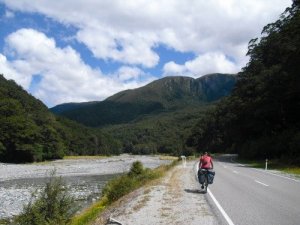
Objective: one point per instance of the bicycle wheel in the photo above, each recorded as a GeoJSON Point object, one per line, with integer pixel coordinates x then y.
{"type": "Point", "coordinates": [205, 183]}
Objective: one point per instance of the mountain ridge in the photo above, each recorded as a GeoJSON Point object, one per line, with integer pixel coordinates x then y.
{"type": "Point", "coordinates": [168, 93]}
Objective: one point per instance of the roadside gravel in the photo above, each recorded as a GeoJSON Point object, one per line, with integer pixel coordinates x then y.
{"type": "Point", "coordinates": [175, 199]}
{"type": "Point", "coordinates": [85, 177]}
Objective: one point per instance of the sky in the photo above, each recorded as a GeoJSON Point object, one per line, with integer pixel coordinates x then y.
{"type": "Point", "coordinates": [87, 50]}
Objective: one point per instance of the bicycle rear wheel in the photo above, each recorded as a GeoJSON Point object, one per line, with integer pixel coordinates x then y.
{"type": "Point", "coordinates": [205, 183]}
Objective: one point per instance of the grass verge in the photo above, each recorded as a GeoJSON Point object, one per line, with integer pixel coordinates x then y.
{"type": "Point", "coordinates": [272, 165]}
{"type": "Point", "coordinates": [4, 221]}
{"type": "Point", "coordinates": [119, 187]}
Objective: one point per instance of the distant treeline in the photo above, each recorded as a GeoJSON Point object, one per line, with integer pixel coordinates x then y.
{"type": "Point", "coordinates": [164, 133]}
{"type": "Point", "coordinates": [261, 118]}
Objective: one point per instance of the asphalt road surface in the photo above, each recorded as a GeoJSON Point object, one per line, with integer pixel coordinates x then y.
{"type": "Point", "coordinates": [248, 196]}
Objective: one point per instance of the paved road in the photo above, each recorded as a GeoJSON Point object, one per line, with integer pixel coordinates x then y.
{"type": "Point", "coordinates": [254, 197]}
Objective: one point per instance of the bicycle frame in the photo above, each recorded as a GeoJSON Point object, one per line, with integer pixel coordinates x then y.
{"type": "Point", "coordinates": [205, 184]}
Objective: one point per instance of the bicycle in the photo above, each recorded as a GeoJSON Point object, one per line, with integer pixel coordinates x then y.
{"type": "Point", "coordinates": [203, 178]}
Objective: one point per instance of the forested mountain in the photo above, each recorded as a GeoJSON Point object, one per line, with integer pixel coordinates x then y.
{"type": "Point", "coordinates": [156, 118]}
{"type": "Point", "coordinates": [30, 132]}
{"type": "Point", "coordinates": [261, 118]}
{"type": "Point", "coordinates": [166, 94]}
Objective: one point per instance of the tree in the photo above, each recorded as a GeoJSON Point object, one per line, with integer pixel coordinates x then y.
{"type": "Point", "coordinates": [264, 107]}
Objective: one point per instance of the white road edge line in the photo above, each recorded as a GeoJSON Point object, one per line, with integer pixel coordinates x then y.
{"type": "Point", "coordinates": [274, 174]}
{"type": "Point", "coordinates": [261, 183]}
{"type": "Point", "coordinates": [268, 172]}
{"type": "Point", "coordinates": [227, 218]}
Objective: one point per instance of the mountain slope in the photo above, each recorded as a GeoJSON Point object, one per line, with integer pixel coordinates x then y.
{"type": "Point", "coordinates": [166, 94]}
{"type": "Point", "coordinates": [30, 132]}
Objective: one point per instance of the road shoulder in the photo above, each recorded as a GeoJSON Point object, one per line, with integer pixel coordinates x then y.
{"type": "Point", "coordinates": [174, 199]}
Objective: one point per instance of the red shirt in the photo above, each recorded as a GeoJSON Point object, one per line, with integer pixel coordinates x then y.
{"type": "Point", "coordinates": [206, 162]}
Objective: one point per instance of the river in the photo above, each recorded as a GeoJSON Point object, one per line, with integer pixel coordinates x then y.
{"type": "Point", "coordinates": [84, 177]}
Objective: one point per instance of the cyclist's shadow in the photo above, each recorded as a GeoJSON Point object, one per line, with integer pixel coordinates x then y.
{"type": "Point", "coordinates": [195, 191]}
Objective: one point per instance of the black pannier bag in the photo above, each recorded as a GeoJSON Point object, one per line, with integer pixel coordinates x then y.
{"type": "Point", "coordinates": [201, 177]}
{"type": "Point", "coordinates": [210, 176]}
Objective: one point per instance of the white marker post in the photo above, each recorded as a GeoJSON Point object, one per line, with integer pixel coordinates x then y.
{"type": "Point", "coordinates": [266, 168]}
{"type": "Point", "coordinates": [183, 161]}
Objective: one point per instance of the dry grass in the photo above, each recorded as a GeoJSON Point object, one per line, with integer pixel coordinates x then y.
{"type": "Point", "coordinates": [141, 203]}
{"type": "Point", "coordinates": [168, 157]}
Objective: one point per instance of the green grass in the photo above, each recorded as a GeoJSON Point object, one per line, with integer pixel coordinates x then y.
{"type": "Point", "coordinates": [4, 222]}
{"type": "Point", "coordinates": [90, 214]}
{"type": "Point", "coordinates": [292, 170]}
{"type": "Point", "coordinates": [120, 186]}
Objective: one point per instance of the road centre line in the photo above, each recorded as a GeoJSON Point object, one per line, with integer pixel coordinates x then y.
{"type": "Point", "coordinates": [227, 218]}
{"type": "Point", "coordinates": [261, 183]}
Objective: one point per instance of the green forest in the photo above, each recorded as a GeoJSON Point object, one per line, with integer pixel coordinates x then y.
{"type": "Point", "coordinates": [261, 118]}
{"type": "Point", "coordinates": [30, 132]}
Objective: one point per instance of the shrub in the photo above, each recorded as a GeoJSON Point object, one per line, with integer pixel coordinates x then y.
{"type": "Point", "coordinates": [119, 187]}
{"type": "Point", "coordinates": [136, 169]}
{"type": "Point", "coordinates": [53, 206]}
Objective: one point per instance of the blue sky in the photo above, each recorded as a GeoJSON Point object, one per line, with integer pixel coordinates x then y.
{"type": "Point", "coordinates": [86, 50]}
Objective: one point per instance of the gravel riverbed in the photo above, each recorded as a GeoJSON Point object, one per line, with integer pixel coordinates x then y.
{"type": "Point", "coordinates": [85, 177]}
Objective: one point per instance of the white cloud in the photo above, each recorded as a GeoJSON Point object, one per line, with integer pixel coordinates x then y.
{"type": "Point", "coordinates": [203, 64]}
{"type": "Point", "coordinates": [127, 31]}
{"type": "Point", "coordinates": [126, 73]}
{"type": "Point", "coordinates": [10, 73]}
{"type": "Point", "coordinates": [120, 46]}
{"type": "Point", "coordinates": [64, 76]}
{"type": "Point", "coordinates": [172, 68]}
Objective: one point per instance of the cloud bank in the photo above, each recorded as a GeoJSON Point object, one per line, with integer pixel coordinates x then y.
{"type": "Point", "coordinates": [129, 32]}
{"type": "Point", "coordinates": [64, 76]}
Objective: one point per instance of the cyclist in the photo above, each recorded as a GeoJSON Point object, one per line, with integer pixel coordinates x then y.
{"type": "Point", "coordinates": [205, 163]}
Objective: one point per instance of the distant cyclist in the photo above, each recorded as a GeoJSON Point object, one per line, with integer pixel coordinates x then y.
{"type": "Point", "coordinates": [206, 163]}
